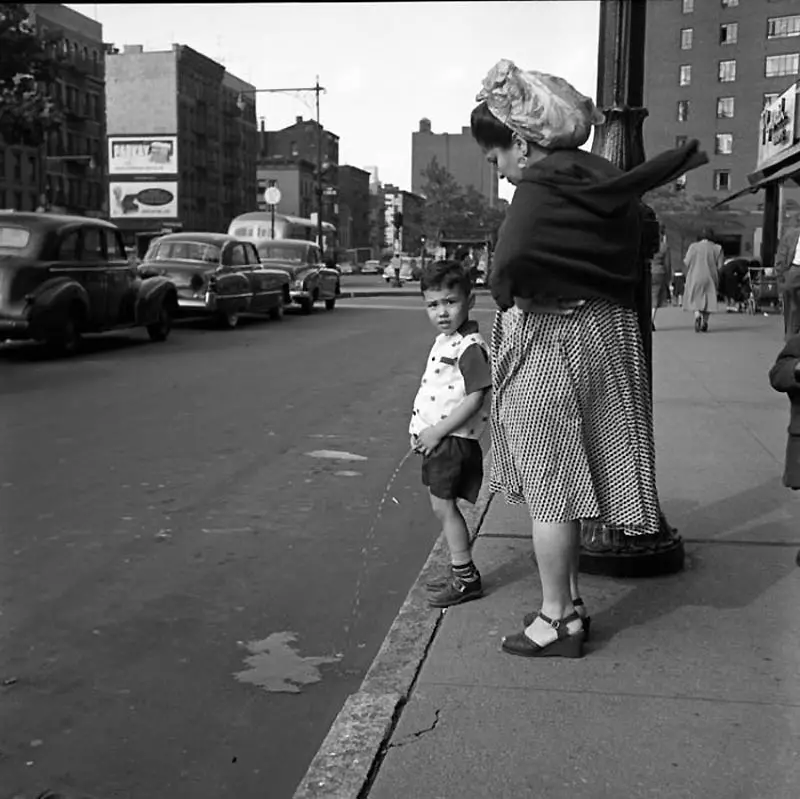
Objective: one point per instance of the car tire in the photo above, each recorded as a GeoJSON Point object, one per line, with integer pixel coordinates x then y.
{"type": "Point", "coordinates": [307, 306]}
{"type": "Point", "coordinates": [228, 321]}
{"type": "Point", "coordinates": [160, 330]}
{"type": "Point", "coordinates": [277, 312]}
{"type": "Point", "coordinates": [67, 341]}
{"type": "Point", "coordinates": [330, 304]}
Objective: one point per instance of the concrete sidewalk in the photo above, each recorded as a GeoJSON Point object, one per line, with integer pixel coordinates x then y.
{"type": "Point", "coordinates": [691, 684]}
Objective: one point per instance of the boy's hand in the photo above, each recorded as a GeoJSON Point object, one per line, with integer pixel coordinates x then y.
{"type": "Point", "coordinates": [413, 442]}
{"type": "Point", "coordinates": [428, 440]}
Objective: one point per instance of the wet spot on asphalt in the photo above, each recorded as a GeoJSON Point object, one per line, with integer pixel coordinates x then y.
{"type": "Point", "coordinates": [275, 666]}
{"type": "Point", "coordinates": [336, 455]}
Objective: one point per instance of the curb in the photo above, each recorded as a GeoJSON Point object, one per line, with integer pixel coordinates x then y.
{"type": "Point", "coordinates": [356, 293]}
{"type": "Point", "coordinates": [351, 754]}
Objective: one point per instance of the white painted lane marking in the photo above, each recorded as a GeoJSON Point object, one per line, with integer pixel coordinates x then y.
{"type": "Point", "coordinates": [336, 455]}
{"type": "Point", "coordinates": [347, 474]}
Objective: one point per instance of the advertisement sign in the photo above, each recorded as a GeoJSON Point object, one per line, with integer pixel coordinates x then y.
{"type": "Point", "coordinates": [777, 128]}
{"type": "Point", "coordinates": [143, 200]}
{"type": "Point", "coordinates": [142, 155]}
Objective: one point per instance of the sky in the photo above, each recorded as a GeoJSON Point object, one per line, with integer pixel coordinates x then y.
{"type": "Point", "coordinates": [385, 66]}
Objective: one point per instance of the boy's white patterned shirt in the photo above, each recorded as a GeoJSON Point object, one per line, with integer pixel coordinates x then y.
{"type": "Point", "coordinates": [444, 384]}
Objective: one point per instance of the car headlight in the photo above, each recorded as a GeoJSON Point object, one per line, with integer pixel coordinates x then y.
{"type": "Point", "coordinates": [298, 285]}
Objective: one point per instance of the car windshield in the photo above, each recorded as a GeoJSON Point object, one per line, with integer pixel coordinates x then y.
{"type": "Point", "coordinates": [185, 251]}
{"type": "Point", "coordinates": [282, 253]}
{"type": "Point", "coordinates": [14, 238]}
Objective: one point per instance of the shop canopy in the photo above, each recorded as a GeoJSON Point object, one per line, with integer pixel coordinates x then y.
{"type": "Point", "coordinates": [792, 171]}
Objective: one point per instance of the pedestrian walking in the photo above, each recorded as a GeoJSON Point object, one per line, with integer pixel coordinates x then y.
{"type": "Point", "coordinates": [703, 261]}
{"type": "Point", "coordinates": [451, 411]}
{"type": "Point", "coordinates": [571, 422]}
{"type": "Point", "coordinates": [660, 275]}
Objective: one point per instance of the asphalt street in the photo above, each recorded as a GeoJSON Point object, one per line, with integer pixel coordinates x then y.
{"type": "Point", "coordinates": [190, 583]}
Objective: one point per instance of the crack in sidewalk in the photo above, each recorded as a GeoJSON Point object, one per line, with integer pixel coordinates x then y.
{"type": "Point", "coordinates": [415, 736]}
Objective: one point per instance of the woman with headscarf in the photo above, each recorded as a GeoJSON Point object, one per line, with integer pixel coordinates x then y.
{"type": "Point", "coordinates": [703, 262]}
{"type": "Point", "coordinates": [572, 428]}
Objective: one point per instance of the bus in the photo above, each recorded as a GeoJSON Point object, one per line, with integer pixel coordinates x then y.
{"type": "Point", "coordinates": [256, 226]}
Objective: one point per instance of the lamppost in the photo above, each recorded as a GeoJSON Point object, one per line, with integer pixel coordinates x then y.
{"type": "Point", "coordinates": [317, 89]}
{"type": "Point", "coordinates": [620, 84]}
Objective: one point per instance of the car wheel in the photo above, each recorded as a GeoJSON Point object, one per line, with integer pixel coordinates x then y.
{"type": "Point", "coordinates": [160, 330]}
{"type": "Point", "coordinates": [276, 313]}
{"type": "Point", "coordinates": [229, 320]}
{"type": "Point", "coordinates": [67, 341]}
{"type": "Point", "coordinates": [330, 304]}
{"type": "Point", "coordinates": [307, 306]}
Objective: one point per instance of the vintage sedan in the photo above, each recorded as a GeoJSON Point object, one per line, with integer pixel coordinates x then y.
{"type": "Point", "coordinates": [218, 274]}
{"type": "Point", "coordinates": [311, 280]}
{"type": "Point", "coordinates": [63, 276]}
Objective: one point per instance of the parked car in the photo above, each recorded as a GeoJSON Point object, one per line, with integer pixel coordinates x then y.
{"type": "Point", "coordinates": [218, 274]}
{"type": "Point", "coordinates": [63, 276]}
{"type": "Point", "coordinates": [311, 280]}
{"type": "Point", "coordinates": [371, 267]}
{"type": "Point", "coordinates": [410, 270]}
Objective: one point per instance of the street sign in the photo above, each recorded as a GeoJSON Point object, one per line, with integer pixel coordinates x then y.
{"type": "Point", "coordinates": [272, 196]}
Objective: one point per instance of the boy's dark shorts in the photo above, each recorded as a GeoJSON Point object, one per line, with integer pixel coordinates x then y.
{"type": "Point", "coordinates": [454, 469]}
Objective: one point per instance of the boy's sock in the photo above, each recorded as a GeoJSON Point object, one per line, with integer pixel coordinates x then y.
{"type": "Point", "coordinates": [466, 572]}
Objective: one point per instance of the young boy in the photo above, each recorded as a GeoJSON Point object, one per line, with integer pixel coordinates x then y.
{"type": "Point", "coordinates": [450, 413]}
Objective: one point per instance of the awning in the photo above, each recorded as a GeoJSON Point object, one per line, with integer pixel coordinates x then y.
{"type": "Point", "coordinates": [790, 171]}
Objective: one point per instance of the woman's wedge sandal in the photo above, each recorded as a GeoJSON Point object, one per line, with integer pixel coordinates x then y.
{"type": "Point", "coordinates": [529, 618]}
{"type": "Point", "coordinates": [566, 644]}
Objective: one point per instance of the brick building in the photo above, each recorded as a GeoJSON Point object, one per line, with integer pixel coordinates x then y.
{"type": "Point", "coordinates": [354, 208]}
{"type": "Point", "coordinates": [295, 177]}
{"type": "Point", "coordinates": [459, 153]}
{"type": "Point", "coordinates": [712, 67]}
{"type": "Point", "coordinates": [67, 174]}
{"type": "Point", "coordinates": [182, 141]}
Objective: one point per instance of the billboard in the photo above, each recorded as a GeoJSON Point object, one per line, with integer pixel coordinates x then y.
{"type": "Point", "coordinates": [143, 199]}
{"type": "Point", "coordinates": [777, 126]}
{"type": "Point", "coordinates": [142, 155]}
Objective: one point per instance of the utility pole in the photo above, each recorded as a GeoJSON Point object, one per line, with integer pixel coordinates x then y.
{"type": "Point", "coordinates": [620, 90]}
{"type": "Point", "coordinates": [320, 242]}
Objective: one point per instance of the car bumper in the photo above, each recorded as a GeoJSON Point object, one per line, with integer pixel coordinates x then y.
{"type": "Point", "coordinates": [300, 296]}
{"type": "Point", "coordinates": [15, 329]}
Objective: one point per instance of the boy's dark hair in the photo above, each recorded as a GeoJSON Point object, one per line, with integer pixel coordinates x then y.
{"type": "Point", "coordinates": [488, 131]}
{"type": "Point", "coordinates": [443, 275]}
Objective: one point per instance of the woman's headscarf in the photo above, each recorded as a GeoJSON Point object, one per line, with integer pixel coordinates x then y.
{"type": "Point", "coordinates": [541, 108]}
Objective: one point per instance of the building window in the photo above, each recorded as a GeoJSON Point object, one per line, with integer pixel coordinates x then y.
{"type": "Point", "coordinates": [785, 64]}
{"type": "Point", "coordinates": [722, 180]}
{"type": "Point", "coordinates": [729, 33]}
{"type": "Point", "coordinates": [680, 141]}
{"type": "Point", "coordinates": [730, 3]}
{"type": "Point", "coordinates": [727, 71]}
{"type": "Point", "coordinates": [723, 144]}
{"type": "Point", "coordinates": [680, 183]}
{"type": "Point", "coordinates": [783, 27]}
{"type": "Point", "coordinates": [685, 75]}
{"type": "Point", "coordinates": [687, 6]}
{"type": "Point", "coordinates": [725, 107]}
{"type": "Point", "coordinates": [683, 110]}
{"type": "Point", "coordinates": [770, 98]}
{"type": "Point", "coordinates": [17, 169]}
{"type": "Point", "coordinates": [687, 34]}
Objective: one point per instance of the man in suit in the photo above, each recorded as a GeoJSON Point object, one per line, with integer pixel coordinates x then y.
{"type": "Point", "coordinates": [787, 269]}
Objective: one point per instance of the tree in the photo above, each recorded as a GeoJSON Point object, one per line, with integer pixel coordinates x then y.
{"type": "Point", "coordinates": [454, 212]}
{"type": "Point", "coordinates": [27, 64]}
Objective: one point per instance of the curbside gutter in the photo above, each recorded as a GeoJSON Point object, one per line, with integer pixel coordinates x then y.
{"type": "Point", "coordinates": [351, 754]}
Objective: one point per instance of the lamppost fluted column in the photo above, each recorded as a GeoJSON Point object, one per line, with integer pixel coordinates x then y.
{"type": "Point", "coordinates": [620, 94]}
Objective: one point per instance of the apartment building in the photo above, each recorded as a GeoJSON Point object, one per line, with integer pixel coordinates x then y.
{"type": "Point", "coordinates": [712, 67]}
{"type": "Point", "coordinates": [182, 141]}
{"type": "Point", "coordinates": [68, 173]}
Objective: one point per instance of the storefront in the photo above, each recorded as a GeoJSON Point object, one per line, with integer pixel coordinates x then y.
{"type": "Point", "coordinates": [778, 164]}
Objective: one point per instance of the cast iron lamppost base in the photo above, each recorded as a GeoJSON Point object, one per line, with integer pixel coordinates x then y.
{"type": "Point", "coordinates": [608, 550]}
